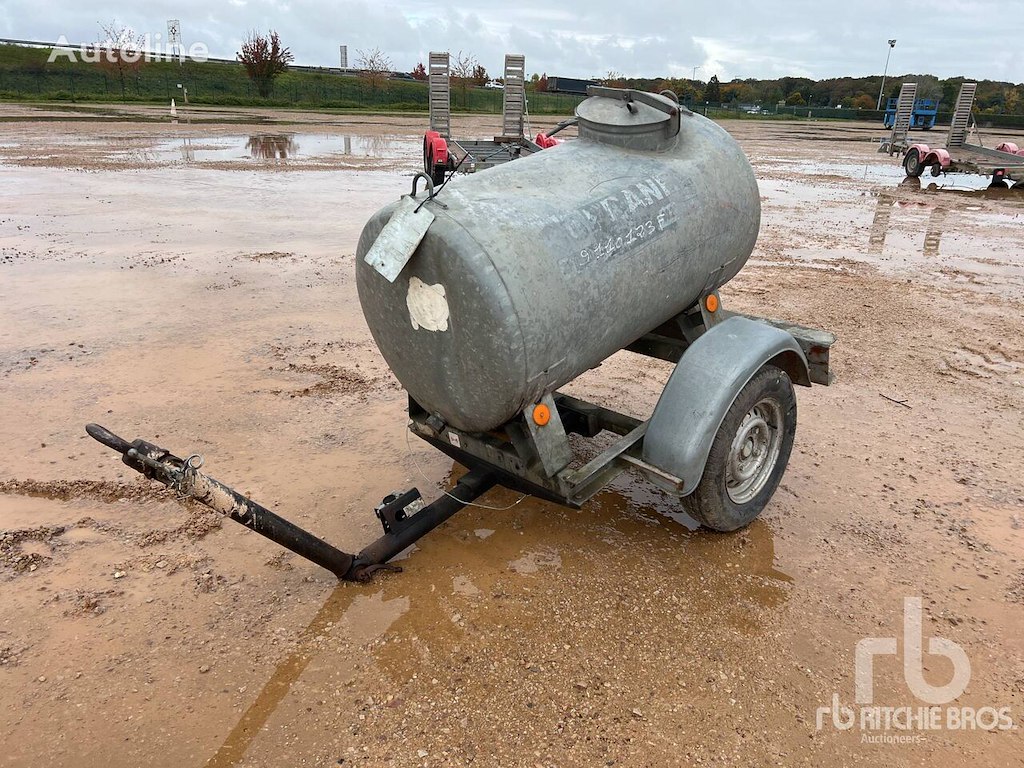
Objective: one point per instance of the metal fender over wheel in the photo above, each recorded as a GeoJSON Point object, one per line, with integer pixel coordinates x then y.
{"type": "Point", "coordinates": [749, 454]}
{"type": "Point", "coordinates": [912, 163]}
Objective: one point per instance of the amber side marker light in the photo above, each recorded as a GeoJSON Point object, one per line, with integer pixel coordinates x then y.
{"type": "Point", "coordinates": [541, 415]}
{"type": "Point", "coordinates": [711, 303]}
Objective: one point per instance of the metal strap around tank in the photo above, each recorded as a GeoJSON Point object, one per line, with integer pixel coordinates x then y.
{"type": "Point", "coordinates": [439, 94]}
{"type": "Point", "coordinates": [961, 115]}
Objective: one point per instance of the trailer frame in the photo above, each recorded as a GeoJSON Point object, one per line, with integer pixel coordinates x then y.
{"type": "Point", "coordinates": [524, 454]}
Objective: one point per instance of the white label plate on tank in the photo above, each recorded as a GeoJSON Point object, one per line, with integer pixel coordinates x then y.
{"type": "Point", "coordinates": [398, 241]}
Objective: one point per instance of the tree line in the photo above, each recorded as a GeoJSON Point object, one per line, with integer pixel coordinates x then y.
{"type": "Point", "coordinates": [993, 97]}
{"type": "Point", "coordinates": [264, 58]}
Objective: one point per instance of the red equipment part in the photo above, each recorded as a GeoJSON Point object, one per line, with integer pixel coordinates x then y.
{"type": "Point", "coordinates": [435, 156]}
{"type": "Point", "coordinates": [546, 142]}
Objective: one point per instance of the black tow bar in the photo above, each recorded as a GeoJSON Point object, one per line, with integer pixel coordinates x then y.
{"type": "Point", "coordinates": [402, 515]}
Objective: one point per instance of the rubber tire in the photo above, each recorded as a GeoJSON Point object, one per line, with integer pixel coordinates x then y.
{"type": "Point", "coordinates": [709, 504]}
{"type": "Point", "coordinates": [912, 164]}
{"type": "Point", "coordinates": [936, 170]}
{"type": "Point", "coordinates": [437, 174]}
{"type": "Point", "coordinates": [998, 184]}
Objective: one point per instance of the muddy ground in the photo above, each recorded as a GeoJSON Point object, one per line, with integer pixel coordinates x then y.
{"type": "Point", "coordinates": [193, 284]}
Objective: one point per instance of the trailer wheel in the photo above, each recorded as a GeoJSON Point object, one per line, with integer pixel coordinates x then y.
{"type": "Point", "coordinates": [936, 170]}
{"type": "Point", "coordinates": [428, 153]}
{"type": "Point", "coordinates": [912, 163]}
{"type": "Point", "coordinates": [998, 183]}
{"type": "Point", "coordinates": [749, 454]}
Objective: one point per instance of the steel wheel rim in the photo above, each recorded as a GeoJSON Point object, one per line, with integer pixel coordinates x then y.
{"type": "Point", "coordinates": [754, 451]}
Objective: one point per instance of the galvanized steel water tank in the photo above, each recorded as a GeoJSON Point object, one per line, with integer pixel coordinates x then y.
{"type": "Point", "coordinates": [539, 269]}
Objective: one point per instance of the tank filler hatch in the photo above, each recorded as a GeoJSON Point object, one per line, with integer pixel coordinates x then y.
{"type": "Point", "coordinates": [628, 118]}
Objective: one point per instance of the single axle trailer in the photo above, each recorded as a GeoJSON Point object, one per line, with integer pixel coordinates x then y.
{"type": "Point", "coordinates": [484, 320]}
{"type": "Point", "coordinates": [1004, 164]}
{"type": "Point", "coordinates": [442, 157]}
{"type": "Point", "coordinates": [729, 409]}
{"type": "Point", "coordinates": [444, 154]}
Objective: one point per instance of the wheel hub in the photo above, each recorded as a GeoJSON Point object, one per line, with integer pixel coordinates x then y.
{"type": "Point", "coordinates": [754, 451]}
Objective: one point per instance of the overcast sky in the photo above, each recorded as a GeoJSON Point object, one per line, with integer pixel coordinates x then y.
{"type": "Point", "coordinates": [583, 38]}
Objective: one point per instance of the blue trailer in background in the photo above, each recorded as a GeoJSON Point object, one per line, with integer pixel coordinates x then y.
{"type": "Point", "coordinates": [923, 116]}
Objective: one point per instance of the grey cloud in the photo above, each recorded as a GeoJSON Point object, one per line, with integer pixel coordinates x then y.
{"type": "Point", "coordinates": [730, 38]}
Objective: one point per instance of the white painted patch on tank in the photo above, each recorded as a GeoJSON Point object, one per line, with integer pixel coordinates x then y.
{"type": "Point", "coordinates": [428, 307]}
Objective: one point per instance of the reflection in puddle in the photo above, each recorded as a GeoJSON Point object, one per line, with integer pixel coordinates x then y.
{"type": "Point", "coordinates": [880, 223]}
{"type": "Point", "coordinates": [636, 497]}
{"type": "Point", "coordinates": [886, 202]}
{"type": "Point", "coordinates": [256, 148]}
{"type": "Point", "coordinates": [911, 195]}
{"type": "Point", "coordinates": [933, 231]}
{"type": "Point", "coordinates": [967, 185]}
{"type": "Point", "coordinates": [271, 147]}
{"type": "Point", "coordinates": [277, 148]}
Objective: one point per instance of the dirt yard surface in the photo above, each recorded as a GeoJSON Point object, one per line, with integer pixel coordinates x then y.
{"type": "Point", "coordinates": [192, 284]}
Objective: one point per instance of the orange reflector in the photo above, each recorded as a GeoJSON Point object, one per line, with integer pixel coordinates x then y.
{"type": "Point", "coordinates": [711, 302]}
{"type": "Point", "coordinates": [541, 414]}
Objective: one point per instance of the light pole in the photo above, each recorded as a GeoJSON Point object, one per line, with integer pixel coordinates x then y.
{"type": "Point", "coordinates": [892, 44]}
{"type": "Point", "coordinates": [695, 72]}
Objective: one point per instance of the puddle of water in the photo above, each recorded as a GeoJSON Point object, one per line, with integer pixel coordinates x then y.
{"type": "Point", "coordinates": [922, 220]}
{"type": "Point", "coordinates": [951, 228]}
{"type": "Point", "coordinates": [282, 147]}
{"type": "Point", "coordinates": [255, 148]}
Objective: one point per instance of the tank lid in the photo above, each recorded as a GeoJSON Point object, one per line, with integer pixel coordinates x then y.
{"type": "Point", "coordinates": [628, 118]}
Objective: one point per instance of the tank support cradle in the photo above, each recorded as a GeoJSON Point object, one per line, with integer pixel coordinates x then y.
{"type": "Point", "coordinates": [402, 515]}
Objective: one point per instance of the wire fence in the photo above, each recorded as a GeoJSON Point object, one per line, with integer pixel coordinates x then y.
{"type": "Point", "coordinates": [217, 83]}
{"type": "Point", "coordinates": [228, 85]}
{"type": "Point", "coordinates": [942, 119]}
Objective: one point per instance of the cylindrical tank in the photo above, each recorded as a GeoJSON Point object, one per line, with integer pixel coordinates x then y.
{"type": "Point", "coordinates": [539, 269]}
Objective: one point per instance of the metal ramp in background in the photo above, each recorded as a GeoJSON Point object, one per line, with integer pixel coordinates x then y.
{"type": "Point", "coordinates": [439, 85]}
{"type": "Point", "coordinates": [897, 140]}
{"type": "Point", "coordinates": [961, 116]}
{"type": "Point", "coordinates": [514, 107]}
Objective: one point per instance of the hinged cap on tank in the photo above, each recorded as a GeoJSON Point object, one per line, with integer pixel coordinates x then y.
{"type": "Point", "coordinates": [628, 118]}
